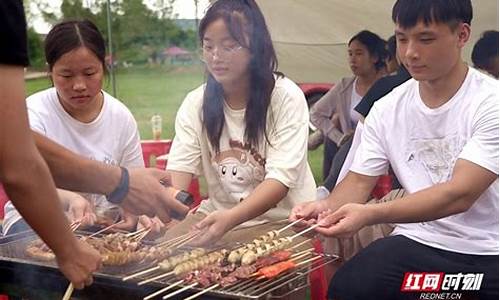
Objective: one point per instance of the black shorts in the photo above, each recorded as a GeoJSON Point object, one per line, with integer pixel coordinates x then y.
{"type": "Point", "coordinates": [378, 271]}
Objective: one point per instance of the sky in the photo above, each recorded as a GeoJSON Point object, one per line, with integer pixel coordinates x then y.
{"type": "Point", "coordinates": [183, 9]}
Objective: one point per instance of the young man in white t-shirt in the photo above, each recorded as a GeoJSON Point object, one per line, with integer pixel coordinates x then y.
{"type": "Point", "coordinates": [439, 132]}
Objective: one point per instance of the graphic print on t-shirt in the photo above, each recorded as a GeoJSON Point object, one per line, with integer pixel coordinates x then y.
{"type": "Point", "coordinates": [240, 170]}
{"type": "Point", "coordinates": [436, 156]}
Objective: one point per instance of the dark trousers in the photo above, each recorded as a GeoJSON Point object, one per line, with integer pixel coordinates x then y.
{"type": "Point", "coordinates": [329, 152]}
{"type": "Point", "coordinates": [377, 272]}
{"type": "Point", "coordinates": [337, 163]}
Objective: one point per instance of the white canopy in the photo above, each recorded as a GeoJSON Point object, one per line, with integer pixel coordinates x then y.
{"type": "Point", "coordinates": [310, 36]}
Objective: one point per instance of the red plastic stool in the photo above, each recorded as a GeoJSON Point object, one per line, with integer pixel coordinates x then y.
{"type": "Point", "coordinates": [158, 149]}
{"type": "Point", "coordinates": [383, 186]}
{"type": "Point", "coordinates": [319, 286]}
{"type": "Point", "coordinates": [3, 200]}
{"type": "Point", "coordinates": [153, 149]}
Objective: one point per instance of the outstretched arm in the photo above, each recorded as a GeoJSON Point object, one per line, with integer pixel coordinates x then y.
{"type": "Point", "coordinates": [455, 196]}
{"type": "Point", "coordinates": [145, 194]}
{"type": "Point", "coordinates": [28, 183]}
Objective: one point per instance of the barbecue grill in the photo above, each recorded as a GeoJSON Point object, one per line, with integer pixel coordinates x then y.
{"type": "Point", "coordinates": [21, 275]}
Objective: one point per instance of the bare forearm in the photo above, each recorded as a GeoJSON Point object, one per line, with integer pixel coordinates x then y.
{"type": "Point", "coordinates": [23, 172]}
{"type": "Point", "coordinates": [73, 172]}
{"type": "Point", "coordinates": [433, 203]}
{"type": "Point", "coordinates": [181, 180]}
{"type": "Point", "coordinates": [265, 196]}
{"type": "Point", "coordinates": [455, 196]}
{"type": "Point", "coordinates": [355, 188]}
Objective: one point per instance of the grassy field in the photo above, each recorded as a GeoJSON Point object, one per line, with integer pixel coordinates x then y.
{"type": "Point", "coordinates": [160, 90]}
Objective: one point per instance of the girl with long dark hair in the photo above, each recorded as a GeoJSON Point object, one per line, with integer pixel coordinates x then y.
{"type": "Point", "coordinates": [245, 130]}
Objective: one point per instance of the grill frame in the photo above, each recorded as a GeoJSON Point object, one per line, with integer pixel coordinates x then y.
{"type": "Point", "coordinates": [21, 274]}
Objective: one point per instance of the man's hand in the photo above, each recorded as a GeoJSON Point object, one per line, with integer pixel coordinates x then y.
{"type": "Point", "coordinates": [79, 263]}
{"type": "Point", "coordinates": [309, 211]}
{"type": "Point", "coordinates": [212, 227]}
{"type": "Point", "coordinates": [149, 197]}
{"type": "Point", "coordinates": [345, 221]}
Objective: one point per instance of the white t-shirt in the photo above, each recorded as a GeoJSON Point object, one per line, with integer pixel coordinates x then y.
{"type": "Point", "coordinates": [111, 138]}
{"type": "Point", "coordinates": [234, 173]}
{"type": "Point", "coordinates": [422, 145]}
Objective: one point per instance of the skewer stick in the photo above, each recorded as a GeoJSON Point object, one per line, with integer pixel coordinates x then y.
{"type": "Point", "coordinates": [142, 235]}
{"type": "Point", "coordinates": [308, 260]}
{"type": "Point", "coordinates": [140, 273]}
{"type": "Point", "coordinates": [163, 290]}
{"type": "Point", "coordinates": [69, 291]}
{"type": "Point", "coordinates": [187, 240]}
{"type": "Point", "coordinates": [299, 244]}
{"type": "Point", "coordinates": [137, 232]}
{"type": "Point", "coordinates": [164, 243]}
{"type": "Point", "coordinates": [180, 290]}
{"type": "Point", "coordinates": [105, 229]}
{"type": "Point", "coordinates": [155, 278]}
{"type": "Point", "coordinates": [193, 209]}
{"type": "Point", "coordinates": [308, 251]}
{"type": "Point", "coordinates": [289, 225]}
{"type": "Point", "coordinates": [304, 231]}
{"type": "Point", "coordinates": [208, 289]}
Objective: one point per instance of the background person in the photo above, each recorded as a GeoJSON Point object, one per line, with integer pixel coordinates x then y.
{"type": "Point", "coordinates": [485, 53]}
{"type": "Point", "coordinates": [334, 113]}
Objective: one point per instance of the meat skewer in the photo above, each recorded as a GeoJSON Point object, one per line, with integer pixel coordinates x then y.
{"type": "Point", "coordinates": [268, 272]}
{"type": "Point", "coordinates": [248, 253]}
{"type": "Point", "coordinates": [170, 262]}
{"type": "Point", "coordinates": [187, 266]}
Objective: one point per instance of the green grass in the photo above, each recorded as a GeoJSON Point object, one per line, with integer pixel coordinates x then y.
{"type": "Point", "coordinates": [161, 90]}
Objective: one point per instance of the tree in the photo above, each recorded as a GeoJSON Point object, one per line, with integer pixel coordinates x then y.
{"type": "Point", "coordinates": [35, 50]}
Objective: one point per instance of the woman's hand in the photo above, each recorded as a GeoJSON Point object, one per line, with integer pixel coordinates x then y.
{"type": "Point", "coordinates": [213, 227]}
{"type": "Point", "coordinates": [80, 209]}
{"type": "Point", "coordinates": [129, 221]}
{"type": "Point", "coordinates": [156, 226]}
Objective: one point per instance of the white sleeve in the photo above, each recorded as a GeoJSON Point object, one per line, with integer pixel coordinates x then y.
{"type": "Point", "coordinates": [185, 153]}
{"type": "Point", "coordinates": [35, 120]}
{"type": "Point", "coordinates": [286, 157]}
{"type": "Point", "coordinates": [371, 158]}
{"type": "Point", "coordinates": [482, 148]}
{"type": "Point", "coordinates": [356, 140]}
{"type": "Point", "coordinates": [132, 151]}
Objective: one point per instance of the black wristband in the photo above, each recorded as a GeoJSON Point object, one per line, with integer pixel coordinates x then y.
{"type": "Point", "coordinates": [121, 191]}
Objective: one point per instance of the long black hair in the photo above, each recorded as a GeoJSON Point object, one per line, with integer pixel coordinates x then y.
{"type": "Point", "coordinates": [247, 26]}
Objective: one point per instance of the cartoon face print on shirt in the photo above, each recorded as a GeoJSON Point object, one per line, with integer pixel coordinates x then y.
{"type": "Point", "coordinates": [239, 172]}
